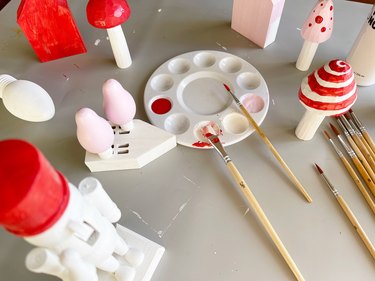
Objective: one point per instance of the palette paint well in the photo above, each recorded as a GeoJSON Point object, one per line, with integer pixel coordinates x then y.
{"type": "Point", "coordinates": [187, 92]}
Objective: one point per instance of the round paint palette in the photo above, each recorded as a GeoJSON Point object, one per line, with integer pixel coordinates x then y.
{"type": "Point", "coordinates": [187, 93]}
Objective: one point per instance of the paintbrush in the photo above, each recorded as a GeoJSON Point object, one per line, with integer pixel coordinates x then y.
{"type": "Point", "coordinates": [363, 130]}
{"type": "Point", "coordinates": [352, 173]}
{"type": "Point", "coordinates": [209, 133]}
{"type": "Point", "coordinates": [348, 213]}
{"type": "Point", "coordinates": [358, 142]}
{"type": "Point", "coordinates": [353, 145]}
{"type": "Point", "coordinates": [362, 166]}
{"type": "Point", "coordinates": [269, 145]}
{"type": "Point", "coordinates": [360, 135]}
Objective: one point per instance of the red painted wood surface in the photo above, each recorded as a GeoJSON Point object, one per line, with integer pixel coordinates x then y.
{"type": "Point", "coordinates": [50, 28]}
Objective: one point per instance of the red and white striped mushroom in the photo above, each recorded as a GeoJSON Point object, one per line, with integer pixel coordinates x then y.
{"type": "Point", "coordinates": [316, 29]}
{"type": "Point", "coordinates": [110, 14]}
{"type": "Point", "coordinates": [331, 90]}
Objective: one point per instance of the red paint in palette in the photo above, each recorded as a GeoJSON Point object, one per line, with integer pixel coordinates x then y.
{"type": "Point", "coordinates": [201, 144]}
{"type": "Point", "coordinates": [161, 106]}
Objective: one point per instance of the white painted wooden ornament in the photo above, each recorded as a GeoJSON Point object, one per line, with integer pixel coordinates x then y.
{"type": "Point", "coordinates": [328, 91]}
{"type": "Point", "coordinates": [316, 29]}
{"type": "Point", "coordinates": [121, 142]}
{"type": "Point", "coordinates": [257, 20]}
{"type": "Point", "coordinates": [94, 133]}
{"type": "Point", "coordinates": [119, 105]}
{"type": "Point", "coordinates": [25, 99]}
{"type": "Point", "coordinates": [79, 242]}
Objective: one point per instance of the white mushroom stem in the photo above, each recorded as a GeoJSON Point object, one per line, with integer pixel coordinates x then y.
{"type": "Point", "coordinates": [308, 125]}
{"type": "Point", "coordinates": [119, 47]}
{"type": "Point", "coordinates": [306, 55]}
{"type": "Point", "coordinates": [106, 154]}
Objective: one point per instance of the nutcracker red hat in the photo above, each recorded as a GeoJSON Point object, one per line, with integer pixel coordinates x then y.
{"type": "Point", "coordinates": [33, 195]}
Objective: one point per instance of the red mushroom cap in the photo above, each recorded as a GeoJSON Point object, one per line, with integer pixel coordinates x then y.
{"type": "Point", "coordinates": [330, 90]}
{"type": "Point", "coordinates": [107, 13]}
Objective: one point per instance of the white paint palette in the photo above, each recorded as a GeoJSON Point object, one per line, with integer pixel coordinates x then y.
{"type": "Point", "coordinates": [186, 93]}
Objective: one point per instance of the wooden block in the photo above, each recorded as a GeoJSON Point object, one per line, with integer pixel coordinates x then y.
{"type": "Point", "coordinates": [153, 253]}
{"type": "Point", "coordinates": [133, 149]}
{"type": "Point", "coordinates": [50, 28]}
{"type": "Point", "coordinates": [257, 20]}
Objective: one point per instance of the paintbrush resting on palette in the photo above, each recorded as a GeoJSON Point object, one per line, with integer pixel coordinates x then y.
{"type": "Point", "coordinates": [363, 130]}
{"type": "Point", "coordinates": [348, 213]}
{"type": "Point", "coordinates": [359, 161]}
{"type": "Point", "coordinates": [352, 173]}
{"type": "Point", "coordinates": [269, 144]}
{"type": "Point", "coordinates": [211, 134]}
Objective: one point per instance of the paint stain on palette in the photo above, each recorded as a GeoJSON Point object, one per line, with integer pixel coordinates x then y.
{"type": "Point", "coordinates": [187, 92]}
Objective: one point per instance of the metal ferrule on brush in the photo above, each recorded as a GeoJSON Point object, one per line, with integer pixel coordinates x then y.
{"type": "Point", "coordinates": [220, 149]}
{"type": "Point", "coordinates": [331, 187]}
{"type": "Point", "coordinates": [358, 122]}
{"type": "Point", "coordinates": [354, 128]}
{"type": "Point", "coordinates": [341, 125]}
{"type": "Point", "coordinates": [338, 151]}
{"type": "Point", "coordinates": [348, 126]}
{"type": "Point", "coordinates": [348, 149]}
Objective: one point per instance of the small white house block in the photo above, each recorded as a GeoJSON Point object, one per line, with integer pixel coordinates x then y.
{"type": "Point", "coordinates": [133, 149]}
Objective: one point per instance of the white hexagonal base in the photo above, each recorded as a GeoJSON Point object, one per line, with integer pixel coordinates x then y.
{"type": "Point", "coordinates": [152, 255]}
{"type": "Point", "coordinates": [133, 149]}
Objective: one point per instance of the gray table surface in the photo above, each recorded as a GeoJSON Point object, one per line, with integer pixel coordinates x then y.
{"type": "Point", "coordinates": [186, 199]}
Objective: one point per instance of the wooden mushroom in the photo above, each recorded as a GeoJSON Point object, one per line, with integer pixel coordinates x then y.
{"type": "Point", "coordinates": [316, 29]}
{"type": "Point", "coordinates": [331, 90]}
{"type": "Point", "coordinates": [110, 14]}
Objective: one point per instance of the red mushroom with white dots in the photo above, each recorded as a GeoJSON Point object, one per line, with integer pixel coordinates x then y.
{"type": "Point", "coordinates": [109, 15]}
{"type": "Point", "coordinates": [316, 29]}
{"type": "Point", "coordinates": [329, 91]}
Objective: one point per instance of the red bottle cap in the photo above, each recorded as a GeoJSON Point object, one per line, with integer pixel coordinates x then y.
{"type": "Point", "coordinates": [33, 195]}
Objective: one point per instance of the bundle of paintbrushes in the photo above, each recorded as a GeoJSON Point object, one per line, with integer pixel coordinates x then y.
{"type": "Point", "coordinates": [359, 145]}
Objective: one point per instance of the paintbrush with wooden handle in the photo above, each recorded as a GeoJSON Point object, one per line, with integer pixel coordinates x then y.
{"type": "Point", "coordinates": [353, 174]}
{"type": "Point", "coordinates": [212, 137]}
{"type": "Point", "coordinates": [348, 212]}
{"type": "Point", "coordinates": [269, 145]}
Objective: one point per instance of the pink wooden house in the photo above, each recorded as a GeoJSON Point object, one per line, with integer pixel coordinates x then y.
{"type": "Point", "coordinates": [257, 20]}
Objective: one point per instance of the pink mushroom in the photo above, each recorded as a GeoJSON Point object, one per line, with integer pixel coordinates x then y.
{"type": "Point", "coordinates": [110, 14]}
{"type": "Point", "coordinates": [316, 29]}
{"type": "Point", "coordinates": [94, 133]}
{"type": "Point", "coordinates": [331, 90]}
{"type": "Point", "coordinates": [119, 105]}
